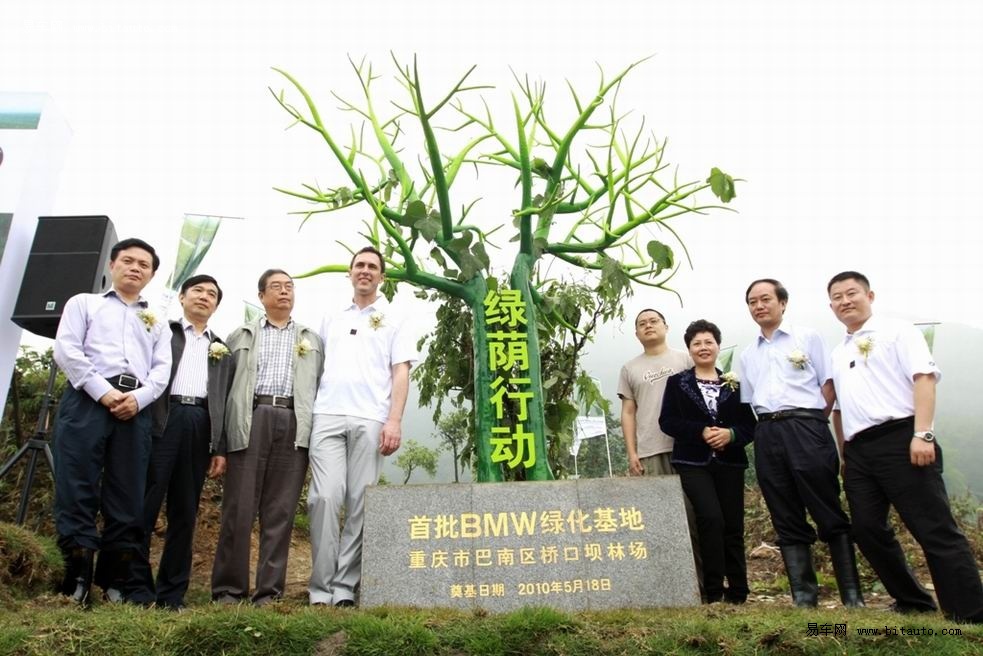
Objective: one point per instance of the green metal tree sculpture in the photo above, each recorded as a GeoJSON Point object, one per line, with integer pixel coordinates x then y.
{"type": "Point", "coordinates": [579, 202]}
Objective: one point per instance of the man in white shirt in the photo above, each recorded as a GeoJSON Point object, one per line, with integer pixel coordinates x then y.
{"type": "Point", "coordinates": [117, 358]}
{"type": "Point", "coordinates": [885, 377]}
{"type": "Point", "coordinates": [357, 422]}
{"type": "Point", "coordinates": [783, 372]}
{"type": "Point", "coordinates": [188, 429]}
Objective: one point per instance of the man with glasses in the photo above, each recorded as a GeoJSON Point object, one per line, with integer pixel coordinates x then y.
{"type": "Point", "coordinates": [640, 388]}
{"type": "Point", "coordinates": [268, 428]}
{"type": "Point", "coordinates": [641, 385]}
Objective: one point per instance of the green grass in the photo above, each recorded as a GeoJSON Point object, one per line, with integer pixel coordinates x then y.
{"type": "Point", "coordinates": [49, 625]}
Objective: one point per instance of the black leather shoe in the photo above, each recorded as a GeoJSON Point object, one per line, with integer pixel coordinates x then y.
{"type": "Point", "coordinates": [906, 609]}
{"type": "Point", "coordinates": [344, 603]}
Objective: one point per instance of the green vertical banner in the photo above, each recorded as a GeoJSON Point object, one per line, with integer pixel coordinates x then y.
{"type": "Point", "coordinates": [197, 234]}
{"type": "Point", "coordinates": [725, 360]}
{"type": "Point", "coordinates": [252, 312]}
{"type": "Point", "coordinates": [928, 332]}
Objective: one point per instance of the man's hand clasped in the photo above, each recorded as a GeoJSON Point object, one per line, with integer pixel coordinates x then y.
{"type": "Point", "coordinates": [122, 405]}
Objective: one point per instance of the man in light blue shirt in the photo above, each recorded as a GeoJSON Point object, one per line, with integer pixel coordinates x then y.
{"type": "Point", "coordinates": [117, 357]}
{"type": "Point", "coordinates": [784, 372]}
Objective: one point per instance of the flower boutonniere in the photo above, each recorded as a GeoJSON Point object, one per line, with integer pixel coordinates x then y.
{"type": "Point", "coordinates": [798, 359]}
{"type": "Point", "coordinates": [376, 320]}
{"type": "Point", "coordinates": [303, 347]}
{"type": "Point", "coordinates": [730, 380]}
{"type": "Point", "coordinates": [865, 345]}
{"type": "Point", "coordinates": [148, 319]}
{"type": "Point", "coordinates": [217, 351]}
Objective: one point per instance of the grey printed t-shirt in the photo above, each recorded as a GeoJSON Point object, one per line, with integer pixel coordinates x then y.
{"type": "Point", "coordinates": [643, 380]}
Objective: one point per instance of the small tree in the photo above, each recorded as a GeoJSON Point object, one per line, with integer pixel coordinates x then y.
{"type": "Point", "coordinates": [586, 194]}
{"type": "Point", "coordinates": [454, 431]}
{"type": "Point", "coordinates": [414, 455]}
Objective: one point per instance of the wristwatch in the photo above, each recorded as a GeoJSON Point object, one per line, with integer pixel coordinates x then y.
{"type": "Point", "coordinates": [928, 436]}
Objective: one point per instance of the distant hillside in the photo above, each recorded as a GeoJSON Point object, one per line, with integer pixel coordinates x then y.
{"type": "Point", "coordinates": [959, 412]}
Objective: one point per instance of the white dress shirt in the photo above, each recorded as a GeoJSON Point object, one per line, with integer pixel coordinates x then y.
{"type": "Point", "coordinates": [100, 336]}
{"type": "Point", "coordinates": [770, 381]}
{"type": "Point", "coordinates": [191, 377]}
{"type": "Point", "coordinates": [879, 387]}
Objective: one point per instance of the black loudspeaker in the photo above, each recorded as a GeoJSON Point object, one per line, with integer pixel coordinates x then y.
{"type": "Point", "coordinates": [69, 256]}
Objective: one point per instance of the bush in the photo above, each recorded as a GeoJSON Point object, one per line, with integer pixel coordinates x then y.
{"type": "Point", "coordinates": [29, 563]}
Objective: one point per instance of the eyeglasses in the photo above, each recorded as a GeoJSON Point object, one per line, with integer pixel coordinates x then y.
{"type": "Point", "coordinates": [280, 286]}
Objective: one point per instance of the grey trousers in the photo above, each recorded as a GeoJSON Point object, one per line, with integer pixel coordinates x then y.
{"type": "Point", "coordinates": [345, 460]}
{"type": "Point", "coordinates": [265, 479]}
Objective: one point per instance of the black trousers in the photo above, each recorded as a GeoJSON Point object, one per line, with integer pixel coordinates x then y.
{"type": "Point", "coordinates": [716, 493]}
{"type": "Point", "coordinates": [178, 464]}
{"type": "Point", "coordinates": [879, 474]}
{"type": "Point", "coordinates": [798, 470]}
{"type": "Point", "coordinates": [100, 467]}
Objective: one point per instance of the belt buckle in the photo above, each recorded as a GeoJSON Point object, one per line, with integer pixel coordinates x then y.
{"type": "Point", "coordinates": [780, 414]}
{"type": "Point", "coordinates": [128, 382]}
{"type": "Point", "coordinates": [280, 401]}
{"type": "Point", "coordinates": [188, 400]}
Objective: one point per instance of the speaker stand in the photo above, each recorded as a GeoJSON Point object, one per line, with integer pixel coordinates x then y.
{"type": "Point", "coordinates": [35, 446]}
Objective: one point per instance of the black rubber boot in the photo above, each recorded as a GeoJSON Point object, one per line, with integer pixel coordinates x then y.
{"type": "Point", "coordinates": [77, 583]}
{"type": "Point", "coordinates": [115, 574]}
{"type": "Point", "coordinates": [801, 575]}
{"type": "Point", "coordinates": [844, 559]}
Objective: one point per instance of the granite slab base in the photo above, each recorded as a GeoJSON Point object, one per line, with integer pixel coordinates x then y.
{"type": "Point", "coordinates": [586, 544]}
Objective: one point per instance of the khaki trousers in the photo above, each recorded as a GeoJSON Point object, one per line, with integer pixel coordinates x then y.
{"type": "Point", "coordinates": [345, 460]}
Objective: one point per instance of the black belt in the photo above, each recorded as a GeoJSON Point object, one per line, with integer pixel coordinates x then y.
{"type": "Point", "coordinates": [189, 400]}
{"type": "Point", "coordinates": [124, 382]}
{"type": "Point", "coordinates": [881, 430]}
{"type": "Point", "coordinates": [794, 413]}
{"type": "Point", "coordinates": [274, 400]}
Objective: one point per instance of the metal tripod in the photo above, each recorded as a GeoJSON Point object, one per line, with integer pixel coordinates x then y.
{"type": "Point", "coordinates": [35, 446]}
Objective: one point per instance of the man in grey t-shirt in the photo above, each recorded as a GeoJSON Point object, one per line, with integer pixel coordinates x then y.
{"type": "Point", "coordinates": [640, 388]}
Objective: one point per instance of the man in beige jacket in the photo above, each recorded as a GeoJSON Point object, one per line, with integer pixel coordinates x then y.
{"type": "Point", "coordinates": [268, 429]}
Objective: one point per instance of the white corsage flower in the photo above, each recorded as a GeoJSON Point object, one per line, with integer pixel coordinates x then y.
{"type": "Point", "coordinates": [376, 320]}
{"type": "Point", "coordinates": [148, 319]}
{"type": "Point", "coordinates": [217, 351]}
{"type": "Point", "coordinates": [730, 380]}
{"type": "Point", "coordinates": [303, 347]}
{"type": "Point", "coordinates": [798, 359]}
{"type": "Point", "coordinates": [865, 345]}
